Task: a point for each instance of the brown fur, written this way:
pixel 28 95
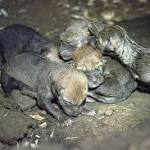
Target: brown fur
pixel 75 35
pixel 74 88
pixel 47 81
pixel 74 85
pixel 87 58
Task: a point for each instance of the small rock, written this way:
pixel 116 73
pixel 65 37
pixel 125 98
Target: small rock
pixel 116 1
pixel 89 113
pixel 143 1
pixel 33 146
pixel 52 134
pixel 108 112
pixel 14 126
pixel 1 28
pixel 86 13
pixel 36 142
pixel 76 8
pixel 67 5
pixel 37 136
pixel 90 2
pixel 4 12
pixel 43 125
pixel 100 112
pixel 101 117
pixel 43 112
pixel 110 22
pixel 37 117
pixel 26 144
pixel 75 16
pixel 71 138
pixel 66 123
pixel 108 14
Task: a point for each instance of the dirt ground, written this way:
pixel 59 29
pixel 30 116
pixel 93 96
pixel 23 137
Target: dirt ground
pixel 111 126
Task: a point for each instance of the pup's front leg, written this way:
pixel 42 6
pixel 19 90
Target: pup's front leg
pixel 45 103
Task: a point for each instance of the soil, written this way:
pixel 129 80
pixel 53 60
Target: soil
pixel 111 126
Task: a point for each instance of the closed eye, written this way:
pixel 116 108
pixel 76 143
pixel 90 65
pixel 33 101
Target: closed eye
pixel 70 102
pixel 67 101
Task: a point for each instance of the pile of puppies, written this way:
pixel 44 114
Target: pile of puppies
pixel 118 83
pixel 29 64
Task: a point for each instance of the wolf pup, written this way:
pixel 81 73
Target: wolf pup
pixel 48 82
pixel 117 86
pixel 114 40
pixel 112 83
pixel 17 38
pixel 75 35
pixel 89 60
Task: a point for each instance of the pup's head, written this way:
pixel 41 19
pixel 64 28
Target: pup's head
pixel 73 37
pixel 95 78
pixel 73 92
pixel 110 38
pixel 87 58
pixel 90 61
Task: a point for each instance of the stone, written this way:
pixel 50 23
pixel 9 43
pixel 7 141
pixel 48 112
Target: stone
pixel 108 112
pixel 13 126
pixel 25 102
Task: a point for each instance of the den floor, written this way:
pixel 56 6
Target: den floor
pixel 50 17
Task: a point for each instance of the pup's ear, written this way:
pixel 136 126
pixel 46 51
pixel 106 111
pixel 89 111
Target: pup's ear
pixel 96 27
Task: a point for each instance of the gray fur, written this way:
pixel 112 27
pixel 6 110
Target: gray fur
pixel 42 79
pixel 114 40
pixel 75 35
pixel 117 86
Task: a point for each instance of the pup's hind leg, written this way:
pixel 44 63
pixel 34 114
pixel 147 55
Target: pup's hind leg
pixel 104 99
pixel 9 83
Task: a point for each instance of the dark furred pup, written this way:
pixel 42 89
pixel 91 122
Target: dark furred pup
pixel 117 86
pixel 114 40
pixel 18 38
pixel 108 80
pixel 47 81
pixel 89 60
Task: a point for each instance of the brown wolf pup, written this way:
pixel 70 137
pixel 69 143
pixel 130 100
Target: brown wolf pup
pixel 47 81
pixel 89 60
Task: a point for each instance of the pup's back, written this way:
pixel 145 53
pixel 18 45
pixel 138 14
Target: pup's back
pixel 26 67
pixel 18 38
pixel 87 58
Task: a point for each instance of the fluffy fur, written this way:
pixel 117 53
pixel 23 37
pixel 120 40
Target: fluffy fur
pixel 48 82
pixel 114 40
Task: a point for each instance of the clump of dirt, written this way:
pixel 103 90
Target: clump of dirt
pixel 13 125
